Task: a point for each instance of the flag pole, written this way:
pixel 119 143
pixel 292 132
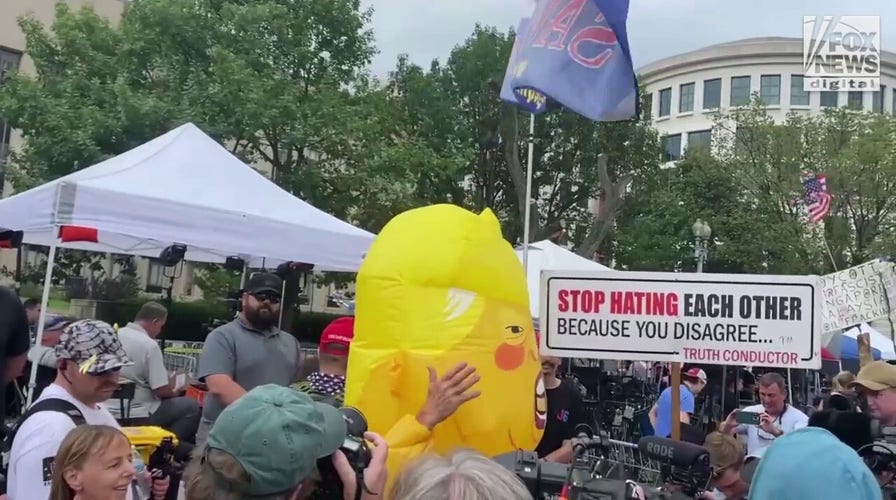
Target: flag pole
pixel 528 209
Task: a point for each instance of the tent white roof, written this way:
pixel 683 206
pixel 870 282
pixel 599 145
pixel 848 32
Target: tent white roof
pixel 184 187
pixel 548 256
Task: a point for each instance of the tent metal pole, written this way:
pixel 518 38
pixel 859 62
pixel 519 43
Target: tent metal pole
pixel 44 301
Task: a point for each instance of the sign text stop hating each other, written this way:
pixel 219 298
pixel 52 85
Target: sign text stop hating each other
pixel 712 319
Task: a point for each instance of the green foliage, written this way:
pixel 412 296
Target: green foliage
pixel 284 84
pixel 217 282
pixel 750 192
pixel 188 321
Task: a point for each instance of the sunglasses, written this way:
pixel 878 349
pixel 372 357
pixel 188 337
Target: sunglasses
pixel 269 297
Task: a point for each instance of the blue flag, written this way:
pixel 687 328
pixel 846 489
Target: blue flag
pixel 574 53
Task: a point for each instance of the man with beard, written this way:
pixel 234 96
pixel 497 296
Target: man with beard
pixel 565 412
pixel 248 352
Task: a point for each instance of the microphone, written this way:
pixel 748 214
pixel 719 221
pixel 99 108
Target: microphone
pixel 675 453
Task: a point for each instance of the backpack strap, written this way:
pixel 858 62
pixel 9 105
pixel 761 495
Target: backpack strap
pixel 49 404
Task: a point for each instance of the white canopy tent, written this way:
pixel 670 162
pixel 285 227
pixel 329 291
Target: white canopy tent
pixel 548 256
pixel 879 341
pixel 183 187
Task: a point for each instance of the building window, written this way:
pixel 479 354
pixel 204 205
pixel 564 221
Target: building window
pixel 798 96
pixel 9 62
pixel 647 106
pixel 156 282
pixel 877 99
pixel 672 147
pixel 740 90
pixel 712 93
pixel 686 98
pixel 701 139
pixel 769 89
pixel 665 102
pixel 829 98
pixel 854 99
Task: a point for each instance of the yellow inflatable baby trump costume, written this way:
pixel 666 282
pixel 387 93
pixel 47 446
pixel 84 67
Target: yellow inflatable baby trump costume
pixel 441 286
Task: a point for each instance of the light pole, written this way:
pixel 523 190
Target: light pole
pixel 702 232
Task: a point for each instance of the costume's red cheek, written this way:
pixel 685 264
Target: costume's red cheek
pixel 510 357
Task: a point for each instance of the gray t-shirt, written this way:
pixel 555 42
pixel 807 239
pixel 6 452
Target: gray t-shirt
pixel 251 357
pixel 148 371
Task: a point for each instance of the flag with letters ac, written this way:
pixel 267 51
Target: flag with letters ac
pixel 574 53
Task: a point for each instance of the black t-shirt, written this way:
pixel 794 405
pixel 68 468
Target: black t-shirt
pixel 565 412
pixel 15 339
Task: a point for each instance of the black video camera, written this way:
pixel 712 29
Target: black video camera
pixel 584 479
pixel 355 450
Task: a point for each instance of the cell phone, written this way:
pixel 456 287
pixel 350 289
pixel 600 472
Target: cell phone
pixel 747 417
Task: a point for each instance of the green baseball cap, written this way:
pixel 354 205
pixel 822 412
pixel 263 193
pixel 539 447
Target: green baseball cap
pixel 276 434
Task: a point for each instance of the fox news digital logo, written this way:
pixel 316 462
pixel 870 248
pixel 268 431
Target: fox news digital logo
pixel 841 53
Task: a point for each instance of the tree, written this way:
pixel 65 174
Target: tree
pixel 475 126
pixel 750 192
pixel 278 82
pixel 216 282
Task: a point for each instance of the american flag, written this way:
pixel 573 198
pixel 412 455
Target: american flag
pixel 817 198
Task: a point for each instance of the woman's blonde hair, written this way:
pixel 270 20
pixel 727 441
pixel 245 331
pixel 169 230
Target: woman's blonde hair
pixel 725 451
pixel 76 448
pixel 462 475
pixel 206 465
pixel 841 381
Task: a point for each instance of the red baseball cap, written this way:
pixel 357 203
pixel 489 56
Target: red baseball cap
pixel 337 336
pixel 696 373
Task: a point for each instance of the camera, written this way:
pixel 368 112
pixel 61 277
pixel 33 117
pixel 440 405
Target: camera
pixel 880 456
pixel 355 450
pixel 584 479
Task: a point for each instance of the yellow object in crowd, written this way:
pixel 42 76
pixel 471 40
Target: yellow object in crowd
pixel 147 438
pixel 441 286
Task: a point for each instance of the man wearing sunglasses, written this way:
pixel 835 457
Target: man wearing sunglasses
pixel 248 352
pixel 89 358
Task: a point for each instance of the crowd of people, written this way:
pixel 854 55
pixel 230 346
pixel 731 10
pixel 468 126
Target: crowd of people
pixel 270 426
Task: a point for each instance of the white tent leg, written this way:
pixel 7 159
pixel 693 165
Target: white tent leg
pixel 44 301
pixel 245 274
pixel 282 293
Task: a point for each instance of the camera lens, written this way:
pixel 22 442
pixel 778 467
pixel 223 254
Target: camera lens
pixel 355 422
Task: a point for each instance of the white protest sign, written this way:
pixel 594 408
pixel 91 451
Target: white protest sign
pixel 887 272
pixel 722 319
pixel 852 296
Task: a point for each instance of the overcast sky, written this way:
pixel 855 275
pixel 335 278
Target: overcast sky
pixel 426 29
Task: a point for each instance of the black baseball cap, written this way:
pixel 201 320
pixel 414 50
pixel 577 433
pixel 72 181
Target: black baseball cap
pixel 265 283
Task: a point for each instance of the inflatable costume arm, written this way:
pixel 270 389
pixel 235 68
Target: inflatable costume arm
pixel 408 439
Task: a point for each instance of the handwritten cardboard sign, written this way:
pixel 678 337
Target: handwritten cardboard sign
pixel 852 296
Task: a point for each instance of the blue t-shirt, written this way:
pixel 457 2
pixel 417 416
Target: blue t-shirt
pixel 664 409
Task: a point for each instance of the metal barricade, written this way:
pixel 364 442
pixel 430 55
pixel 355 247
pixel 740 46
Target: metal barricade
pixel 183 355
pixel 623 460
pixel 186 355
pixel 181 363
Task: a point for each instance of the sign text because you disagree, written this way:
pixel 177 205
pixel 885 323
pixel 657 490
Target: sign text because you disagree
pixel 752 320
